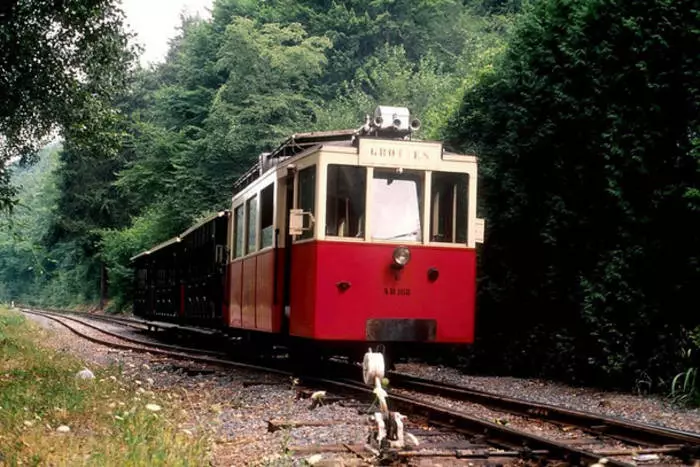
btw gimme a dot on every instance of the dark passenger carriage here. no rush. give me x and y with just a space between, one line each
182 279
203 268
156 290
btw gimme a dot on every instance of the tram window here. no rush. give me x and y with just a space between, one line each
238 245
307 195
345 204
397 205
448 210
266 209
252 223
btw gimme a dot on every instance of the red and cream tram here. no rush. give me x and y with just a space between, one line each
338 238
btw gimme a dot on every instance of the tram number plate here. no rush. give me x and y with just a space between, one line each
397 291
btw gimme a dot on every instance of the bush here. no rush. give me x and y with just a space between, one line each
586 133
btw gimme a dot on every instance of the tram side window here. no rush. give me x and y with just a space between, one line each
307 196
251 212
345 204
239 240
448 211
266 210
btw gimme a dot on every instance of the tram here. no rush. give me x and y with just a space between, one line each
336 241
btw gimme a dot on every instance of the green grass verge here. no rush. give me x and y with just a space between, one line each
107 416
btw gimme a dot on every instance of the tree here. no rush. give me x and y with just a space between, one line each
55 59
24 261
586 132
268 93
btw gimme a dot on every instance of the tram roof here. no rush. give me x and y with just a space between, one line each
179 238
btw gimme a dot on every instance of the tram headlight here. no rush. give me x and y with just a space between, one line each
401 255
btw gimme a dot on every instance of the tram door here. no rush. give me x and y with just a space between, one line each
287 284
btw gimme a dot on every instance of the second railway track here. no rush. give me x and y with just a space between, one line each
651 438
133 340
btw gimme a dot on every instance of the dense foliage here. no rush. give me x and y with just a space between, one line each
23 258
587 132
584 116
58 62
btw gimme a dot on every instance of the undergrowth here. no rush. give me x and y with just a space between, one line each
685 387
108 421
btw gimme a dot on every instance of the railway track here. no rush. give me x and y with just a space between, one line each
133 322
147 347
486 439
143 342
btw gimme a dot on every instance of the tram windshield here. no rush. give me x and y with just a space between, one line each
396 206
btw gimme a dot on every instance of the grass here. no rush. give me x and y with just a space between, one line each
107 416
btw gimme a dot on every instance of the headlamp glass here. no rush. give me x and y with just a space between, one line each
401 255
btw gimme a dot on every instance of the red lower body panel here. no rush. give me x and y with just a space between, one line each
253 301
235 279
350 292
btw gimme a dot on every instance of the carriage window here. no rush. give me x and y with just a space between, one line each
448 210
397 205
307 195
266 208
142 276
345 204
238 220
252 223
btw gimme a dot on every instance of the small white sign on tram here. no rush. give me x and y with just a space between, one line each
296 221
405 154
479 227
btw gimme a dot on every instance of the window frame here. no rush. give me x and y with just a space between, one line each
270 186
320 174
235 254
256 232
326 198
422 201
242 200
455 212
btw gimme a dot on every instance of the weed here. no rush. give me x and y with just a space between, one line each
109 423
685 387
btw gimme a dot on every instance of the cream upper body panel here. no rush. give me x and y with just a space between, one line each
374 154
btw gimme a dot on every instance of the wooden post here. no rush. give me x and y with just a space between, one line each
103 285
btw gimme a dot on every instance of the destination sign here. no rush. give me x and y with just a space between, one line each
406 154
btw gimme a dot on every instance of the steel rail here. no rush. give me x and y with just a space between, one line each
687 443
